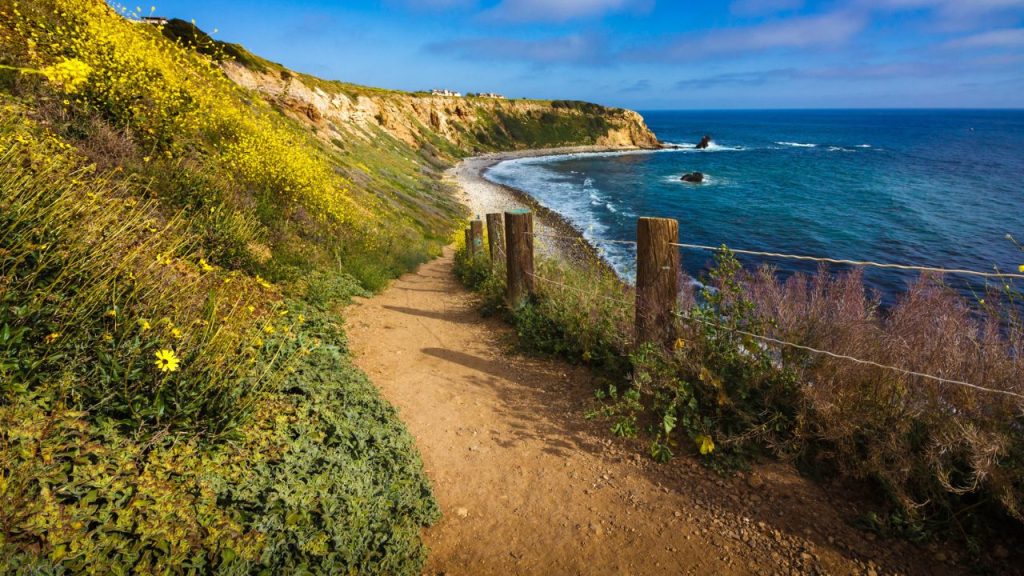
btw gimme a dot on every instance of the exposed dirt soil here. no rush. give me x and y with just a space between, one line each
529 486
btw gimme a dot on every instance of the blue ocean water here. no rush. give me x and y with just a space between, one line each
936 188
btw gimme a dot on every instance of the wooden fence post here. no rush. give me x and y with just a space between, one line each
476 235
519 256
474 238
657 278
495 236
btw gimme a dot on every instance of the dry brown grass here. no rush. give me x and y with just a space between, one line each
932 445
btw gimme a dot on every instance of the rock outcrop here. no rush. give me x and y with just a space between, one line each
693 177
704 142
467 125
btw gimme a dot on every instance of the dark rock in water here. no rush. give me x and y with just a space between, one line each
704 142
693 177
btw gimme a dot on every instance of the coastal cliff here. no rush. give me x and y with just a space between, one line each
457 125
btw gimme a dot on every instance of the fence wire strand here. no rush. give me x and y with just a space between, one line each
851 262
577 290
580 238
820 259
853 359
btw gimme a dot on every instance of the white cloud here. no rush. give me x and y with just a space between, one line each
1004 38
561 10
763 7
589 49
824 30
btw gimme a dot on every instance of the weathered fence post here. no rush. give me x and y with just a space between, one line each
495 236
476 238
657 278
519 256
469 242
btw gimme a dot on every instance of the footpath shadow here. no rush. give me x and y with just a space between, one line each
445 316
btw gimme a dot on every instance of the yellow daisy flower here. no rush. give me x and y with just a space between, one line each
167 361
705 444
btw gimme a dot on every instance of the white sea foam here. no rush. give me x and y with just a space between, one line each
677 179
712 147
863 146
797 144
839 149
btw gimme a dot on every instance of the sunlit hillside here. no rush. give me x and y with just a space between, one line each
175 389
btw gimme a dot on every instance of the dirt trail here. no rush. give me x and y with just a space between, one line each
529 486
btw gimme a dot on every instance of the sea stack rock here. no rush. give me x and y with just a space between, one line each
704 142
693 177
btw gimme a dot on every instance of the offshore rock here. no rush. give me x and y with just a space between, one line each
693 177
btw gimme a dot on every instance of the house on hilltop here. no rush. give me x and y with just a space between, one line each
451 93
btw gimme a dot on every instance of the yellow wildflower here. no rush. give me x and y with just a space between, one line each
204 265
301 319
51 337
167 361
144 324
175 332
705 444
269 329
679 344
1020 268
107 337
69 75
112 313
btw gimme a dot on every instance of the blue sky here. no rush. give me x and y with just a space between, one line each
648 54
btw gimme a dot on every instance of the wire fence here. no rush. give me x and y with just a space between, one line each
806 258
779 342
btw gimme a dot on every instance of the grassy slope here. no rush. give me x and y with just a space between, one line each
148 205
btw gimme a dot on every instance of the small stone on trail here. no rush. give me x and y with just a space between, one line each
462 512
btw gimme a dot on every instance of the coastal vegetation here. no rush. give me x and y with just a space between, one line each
948 459
176 394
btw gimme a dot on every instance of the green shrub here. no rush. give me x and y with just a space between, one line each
323 479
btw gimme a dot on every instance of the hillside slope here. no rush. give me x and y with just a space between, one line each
175 388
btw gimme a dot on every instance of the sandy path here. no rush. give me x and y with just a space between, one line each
527 485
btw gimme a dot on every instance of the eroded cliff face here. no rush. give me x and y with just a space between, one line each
463 125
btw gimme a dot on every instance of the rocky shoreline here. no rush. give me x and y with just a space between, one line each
482 196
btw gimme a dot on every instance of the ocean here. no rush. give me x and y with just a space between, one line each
938 188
